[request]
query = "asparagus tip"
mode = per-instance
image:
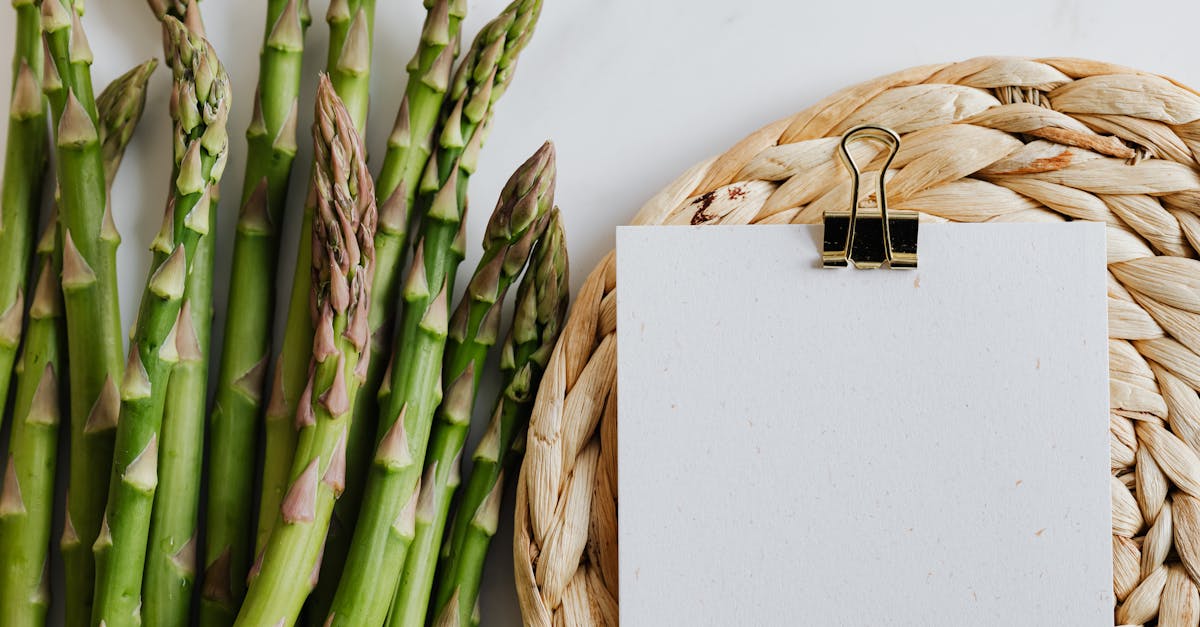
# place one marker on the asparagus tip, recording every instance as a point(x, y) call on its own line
point(528, 193)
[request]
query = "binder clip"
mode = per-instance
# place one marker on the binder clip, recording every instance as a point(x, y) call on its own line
point(868, 235)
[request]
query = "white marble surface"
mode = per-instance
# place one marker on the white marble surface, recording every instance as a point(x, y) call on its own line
point(632, 91)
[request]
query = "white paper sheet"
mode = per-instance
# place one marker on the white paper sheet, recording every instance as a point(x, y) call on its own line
point(801, 446)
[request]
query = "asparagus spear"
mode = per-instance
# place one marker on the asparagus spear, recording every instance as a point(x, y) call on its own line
point(540, 312)
point(474, 328)
point(271, 143)
point(343, 259)
point(26, 501)
point(408, 151)
point(385, 524)
point(164, 334)
point(21, 196)
point(171, 553)
point(351, 24)
point(89, 279)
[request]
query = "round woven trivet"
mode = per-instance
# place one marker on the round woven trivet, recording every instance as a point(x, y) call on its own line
point(989, 139)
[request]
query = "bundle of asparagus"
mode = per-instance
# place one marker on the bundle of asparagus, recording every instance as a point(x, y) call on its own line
point(351, 28)
point(170, 557)
point(343, 254)
point(513, 228)
point(412, 390)
point(89, 241)
point(541, 309)
point(165, 334)
point(271, 141)
point(20, 197)
point(130, 532)
point(26, 502)
point(409, 147)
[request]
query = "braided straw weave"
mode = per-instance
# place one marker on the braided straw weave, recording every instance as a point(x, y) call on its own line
point(989, 139)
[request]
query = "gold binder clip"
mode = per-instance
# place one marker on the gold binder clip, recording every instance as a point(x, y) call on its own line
point(868, 234)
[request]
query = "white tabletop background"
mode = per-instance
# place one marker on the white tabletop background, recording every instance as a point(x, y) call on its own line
point(631, 91)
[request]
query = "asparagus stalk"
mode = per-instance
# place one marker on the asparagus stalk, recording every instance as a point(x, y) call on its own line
point(171, 553)
point(164, 334)
point(408, 151)
point(26, 501)
point(271, 143)
point(474, 329)
point(351, 26)
point(540, 312)
point(386, 525)
point(21, 195)
point(343, 259)
point(89, 279)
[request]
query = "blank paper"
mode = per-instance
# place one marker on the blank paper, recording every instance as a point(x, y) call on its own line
point(809, 446)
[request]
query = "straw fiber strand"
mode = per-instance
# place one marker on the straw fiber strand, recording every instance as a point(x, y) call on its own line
point(988, 139)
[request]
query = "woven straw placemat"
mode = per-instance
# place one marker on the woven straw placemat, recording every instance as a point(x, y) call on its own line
point(989, 139)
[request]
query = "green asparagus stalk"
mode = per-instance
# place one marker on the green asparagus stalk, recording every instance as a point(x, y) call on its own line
point(26, 498)
point(386, 524)
point(343, 259)
point(21, 195)
point(271, 143)
point(89, 280)
point(474, 329)
point(26, 501)
point(164, 334)
point(539, 314)
point(171, 552)
point(409, 147)
point(351, 27)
